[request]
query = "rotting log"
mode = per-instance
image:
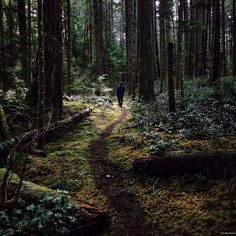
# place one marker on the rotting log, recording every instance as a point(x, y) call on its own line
point(216, 163)
point(94, 221)
point(54, 131)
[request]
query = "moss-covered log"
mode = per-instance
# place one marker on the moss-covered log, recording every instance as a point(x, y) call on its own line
point(217, 164)
point(54, 131)
point(93, 221)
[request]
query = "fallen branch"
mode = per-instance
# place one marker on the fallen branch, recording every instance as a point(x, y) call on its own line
point(54, 131)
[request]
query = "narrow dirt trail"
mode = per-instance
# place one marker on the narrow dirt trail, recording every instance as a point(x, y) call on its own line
point(125, 209)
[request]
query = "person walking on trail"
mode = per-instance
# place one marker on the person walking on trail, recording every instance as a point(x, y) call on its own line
point(120, 94)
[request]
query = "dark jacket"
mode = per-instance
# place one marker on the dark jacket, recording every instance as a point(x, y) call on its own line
point(120, 91)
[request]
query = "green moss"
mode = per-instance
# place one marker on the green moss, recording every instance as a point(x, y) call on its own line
point(185, 209)
point(14, 177)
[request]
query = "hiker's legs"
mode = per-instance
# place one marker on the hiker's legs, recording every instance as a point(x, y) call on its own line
point(120, 99)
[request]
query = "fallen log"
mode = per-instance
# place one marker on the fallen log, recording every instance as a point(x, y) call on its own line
point(93, 221)
point(217, 164)
point(54, 131)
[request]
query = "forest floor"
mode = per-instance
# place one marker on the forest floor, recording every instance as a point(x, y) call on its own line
point(94, 164)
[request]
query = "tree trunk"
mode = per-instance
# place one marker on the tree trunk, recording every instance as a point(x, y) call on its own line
point(163, 48)
point(215, 74)
point(41, 76)
point(234, 37)
point(171, 91)
point(23, 40)
point(69, 46)
point(99, 39)
point(145, 57)
point(53, 55)
point(223, 33)
point(180, 61)
point(29, 42)
point(2, 54)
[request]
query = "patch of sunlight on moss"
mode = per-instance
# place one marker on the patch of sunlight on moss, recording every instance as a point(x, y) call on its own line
point(75, 105)
point(14, 178)
point(37, 190)
point(188, 209)
point(221, 143)
point(124, 145)
point(68, 159)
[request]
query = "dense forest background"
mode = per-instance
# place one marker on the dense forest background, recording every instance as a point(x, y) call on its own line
point(118, 40)
point(61, 62)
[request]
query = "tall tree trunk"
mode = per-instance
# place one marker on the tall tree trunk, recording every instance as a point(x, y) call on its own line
point(69, 46)
point(171, 92)
point(131, 44)
point(2, 54)
point(145, 57)
point(41, 77)
point(234, 37)
point(90, 33)
point(204, 39)
point(29, 41)
point(23, 40)
point(223, 33)
point(53, 55)
point(180, 61)
point(215, 75)
point(186, 36)
point(163, 51)
point(99, 39)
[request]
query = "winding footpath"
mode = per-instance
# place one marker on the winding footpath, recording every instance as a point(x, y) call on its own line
point(128, 219)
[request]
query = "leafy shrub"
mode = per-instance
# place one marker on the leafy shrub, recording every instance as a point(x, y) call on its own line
point(51, 216)
point(203, 112)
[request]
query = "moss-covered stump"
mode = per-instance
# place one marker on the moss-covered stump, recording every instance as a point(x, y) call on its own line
point(217, 164)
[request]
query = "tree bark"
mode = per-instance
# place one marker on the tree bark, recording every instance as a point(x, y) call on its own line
point(69, 42)
point(163, 47)
point(53, 52)
point(223, 33)
point(41, 75)
point(145, 57)
point(234, 38)
point(23, 40)
point(99, 39)
point(180, 55)
point(215, 74)
point(171, 91)
point(29, 42)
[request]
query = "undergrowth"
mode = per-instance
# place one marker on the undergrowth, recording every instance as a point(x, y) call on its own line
point(188, 205)
point(50, 216)
point(204, 113)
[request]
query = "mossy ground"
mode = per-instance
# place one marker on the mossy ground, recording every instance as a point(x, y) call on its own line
point(190, 205)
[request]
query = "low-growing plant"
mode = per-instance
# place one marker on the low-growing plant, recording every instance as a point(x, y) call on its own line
point(204, 112)
point(50, 216)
